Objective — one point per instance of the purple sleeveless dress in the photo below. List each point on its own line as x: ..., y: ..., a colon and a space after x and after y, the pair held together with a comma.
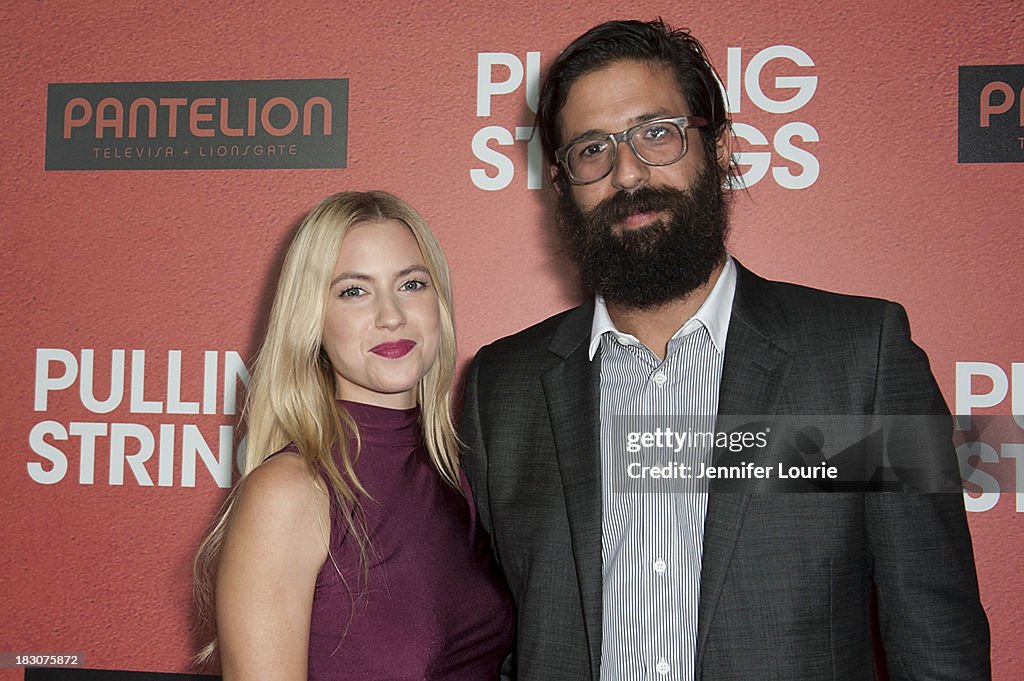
x: 435, y: 606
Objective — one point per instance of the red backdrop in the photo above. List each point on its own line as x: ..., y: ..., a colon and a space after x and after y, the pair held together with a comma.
x: 862, y: 193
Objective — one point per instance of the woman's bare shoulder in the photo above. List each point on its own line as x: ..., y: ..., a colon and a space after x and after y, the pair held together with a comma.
x: 282, y: 506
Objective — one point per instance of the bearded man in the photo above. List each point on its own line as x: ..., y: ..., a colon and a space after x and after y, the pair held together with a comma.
x: 619, y: 578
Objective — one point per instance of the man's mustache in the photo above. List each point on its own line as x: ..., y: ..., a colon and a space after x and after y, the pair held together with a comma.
x: 621, y: 205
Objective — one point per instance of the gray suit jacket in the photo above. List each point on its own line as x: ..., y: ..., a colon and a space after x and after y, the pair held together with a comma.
x: 786, y: 579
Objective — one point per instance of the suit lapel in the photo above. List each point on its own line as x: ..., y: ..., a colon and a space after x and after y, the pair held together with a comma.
x: 571, y: 390
x: 752, y: 375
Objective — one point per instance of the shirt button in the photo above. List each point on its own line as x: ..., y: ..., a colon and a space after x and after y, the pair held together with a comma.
x: 622, y: 340
x: 660, y: 378
x: 662, y: 667
x: 659, y: 566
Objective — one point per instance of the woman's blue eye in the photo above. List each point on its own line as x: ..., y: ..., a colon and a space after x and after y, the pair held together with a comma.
x: 351, y: 292
x: 414, y: 285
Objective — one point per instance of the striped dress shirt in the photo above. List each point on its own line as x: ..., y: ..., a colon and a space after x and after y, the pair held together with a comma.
x: 653, y: 527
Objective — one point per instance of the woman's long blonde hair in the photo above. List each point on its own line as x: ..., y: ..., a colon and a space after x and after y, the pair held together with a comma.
x: 292, y: 394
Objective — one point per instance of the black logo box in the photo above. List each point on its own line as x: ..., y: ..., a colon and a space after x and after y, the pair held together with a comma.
x: 234, y: 106
x: 1002, y: 141
x: 72, y: 674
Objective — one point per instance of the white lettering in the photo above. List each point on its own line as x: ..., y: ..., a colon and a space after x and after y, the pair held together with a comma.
x: 966, y: 399
x: 139, y: 404
x: 802, y: 157
x: 120, y: 433
x: 759, y: 161
x: 234, y: 371
x: 989, y: 495
x: 193, y: 443
x: 58, y: 461
x: 486, y: 87
x: 804, y: 85
x: 85, y: 387
x: 174, y: 403
x: 44, y: 382
x: 1016, y: 452
x: 506, y: 169
x: 87, y: 432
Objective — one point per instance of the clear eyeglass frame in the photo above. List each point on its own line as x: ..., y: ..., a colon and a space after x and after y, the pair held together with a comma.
x: 681, y: 122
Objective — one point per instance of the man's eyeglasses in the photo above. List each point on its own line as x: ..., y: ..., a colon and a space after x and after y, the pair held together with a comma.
x: 660, y: 142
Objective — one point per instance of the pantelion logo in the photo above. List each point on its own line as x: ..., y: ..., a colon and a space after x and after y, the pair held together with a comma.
x: 991, y: 116
x: 197, y: 125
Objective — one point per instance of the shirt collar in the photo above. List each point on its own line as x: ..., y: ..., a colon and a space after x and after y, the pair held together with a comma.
x: 714, y: 314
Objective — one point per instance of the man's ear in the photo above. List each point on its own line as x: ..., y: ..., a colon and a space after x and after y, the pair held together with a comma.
x: 724, y: 149
x: 556, y: 182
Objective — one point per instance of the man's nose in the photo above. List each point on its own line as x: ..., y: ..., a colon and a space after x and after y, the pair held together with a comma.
x: 629, y: 172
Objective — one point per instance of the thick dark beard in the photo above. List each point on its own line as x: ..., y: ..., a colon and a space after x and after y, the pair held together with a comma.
x: 655, y: 264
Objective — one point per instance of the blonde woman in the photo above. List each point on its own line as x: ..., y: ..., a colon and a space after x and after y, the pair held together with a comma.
x: 350, y: 549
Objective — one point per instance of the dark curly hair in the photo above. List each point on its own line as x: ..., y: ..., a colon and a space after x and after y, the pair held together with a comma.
x: 652, y: 42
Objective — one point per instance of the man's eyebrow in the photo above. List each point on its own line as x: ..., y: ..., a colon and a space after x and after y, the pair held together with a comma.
x: 642, y: 118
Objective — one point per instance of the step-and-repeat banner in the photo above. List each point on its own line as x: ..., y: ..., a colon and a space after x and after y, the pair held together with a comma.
x: 157, y: 158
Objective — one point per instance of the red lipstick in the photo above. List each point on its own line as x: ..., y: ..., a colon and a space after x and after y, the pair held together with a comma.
x: 394, y: 349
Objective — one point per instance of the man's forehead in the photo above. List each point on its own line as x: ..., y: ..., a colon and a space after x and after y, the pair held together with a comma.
x: 618, y: 95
